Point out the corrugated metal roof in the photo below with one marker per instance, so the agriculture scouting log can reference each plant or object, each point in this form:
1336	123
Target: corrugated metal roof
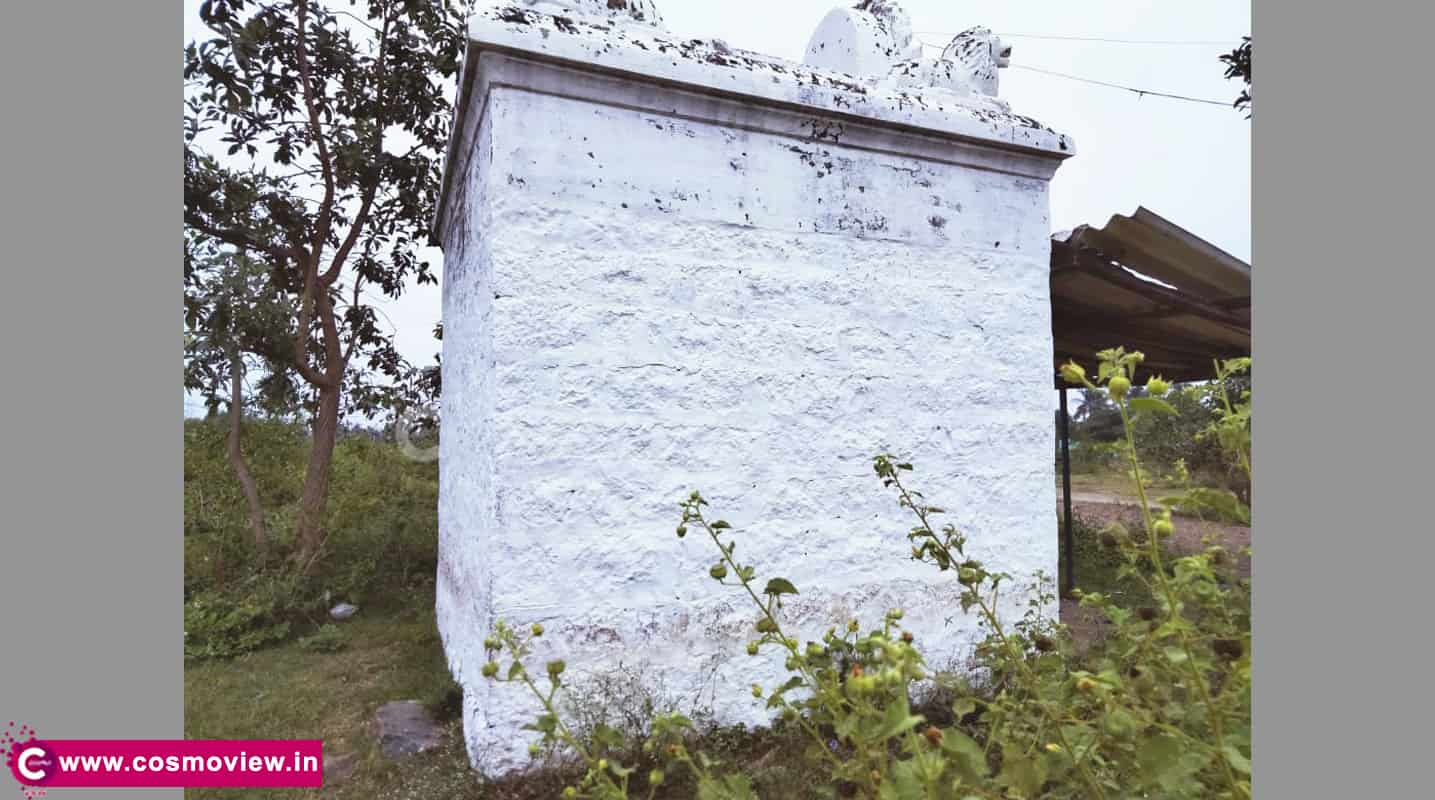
1145	283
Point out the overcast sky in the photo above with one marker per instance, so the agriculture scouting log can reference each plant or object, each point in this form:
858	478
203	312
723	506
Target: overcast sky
1189	162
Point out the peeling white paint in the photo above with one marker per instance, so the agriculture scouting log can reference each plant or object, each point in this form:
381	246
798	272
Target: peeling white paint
667	273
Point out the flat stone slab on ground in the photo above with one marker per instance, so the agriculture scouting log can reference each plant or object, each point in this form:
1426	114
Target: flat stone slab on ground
339	766
406	728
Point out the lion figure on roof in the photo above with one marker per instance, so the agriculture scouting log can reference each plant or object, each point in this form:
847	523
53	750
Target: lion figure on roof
967	67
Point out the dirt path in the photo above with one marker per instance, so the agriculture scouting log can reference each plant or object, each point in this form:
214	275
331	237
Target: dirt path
1085	623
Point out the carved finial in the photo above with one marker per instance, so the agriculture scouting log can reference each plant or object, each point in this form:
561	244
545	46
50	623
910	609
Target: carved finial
863	40
643	11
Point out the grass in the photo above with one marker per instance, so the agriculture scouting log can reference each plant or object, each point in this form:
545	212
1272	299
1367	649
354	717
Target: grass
292	692
1097	566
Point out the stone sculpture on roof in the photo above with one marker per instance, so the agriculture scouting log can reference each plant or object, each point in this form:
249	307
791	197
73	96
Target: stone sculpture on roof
874	40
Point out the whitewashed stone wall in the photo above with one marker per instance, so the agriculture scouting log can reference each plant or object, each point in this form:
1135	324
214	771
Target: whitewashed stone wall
672	266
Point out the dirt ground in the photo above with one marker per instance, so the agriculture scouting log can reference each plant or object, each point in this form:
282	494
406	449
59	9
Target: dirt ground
1086	624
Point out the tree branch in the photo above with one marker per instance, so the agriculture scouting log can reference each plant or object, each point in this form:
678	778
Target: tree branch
321	232
342	254
353	337
239	238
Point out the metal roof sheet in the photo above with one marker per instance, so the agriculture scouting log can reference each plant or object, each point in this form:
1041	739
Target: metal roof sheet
1145	283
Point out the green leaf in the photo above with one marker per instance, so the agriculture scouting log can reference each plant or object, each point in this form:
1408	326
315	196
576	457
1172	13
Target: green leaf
897	720
1158	756
1237	761
775	699
720	525
1022	773
963	706
728	787
780	586
901	783
1153	404
607	737
967	756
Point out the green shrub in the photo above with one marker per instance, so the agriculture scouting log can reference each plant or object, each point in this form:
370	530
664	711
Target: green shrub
381	549
222	626
1088	456
327	639
1161	710
1219	505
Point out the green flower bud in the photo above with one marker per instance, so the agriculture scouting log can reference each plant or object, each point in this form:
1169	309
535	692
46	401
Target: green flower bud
752	648
1073	373
1119	386
555	668
682	531
655	778
756	690
967	576
894	614
490	669
602	764
490	644
570	792
718	571
1119	723
1163	528
1157	386
864	684
537	629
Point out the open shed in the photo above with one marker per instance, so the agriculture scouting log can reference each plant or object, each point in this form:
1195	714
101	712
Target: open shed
1143	283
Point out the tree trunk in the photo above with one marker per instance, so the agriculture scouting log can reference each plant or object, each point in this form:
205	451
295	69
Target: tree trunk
315	500
236	459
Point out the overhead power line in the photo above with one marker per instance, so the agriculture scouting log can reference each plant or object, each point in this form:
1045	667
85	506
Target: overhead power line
1124	88
1136	90
1101	39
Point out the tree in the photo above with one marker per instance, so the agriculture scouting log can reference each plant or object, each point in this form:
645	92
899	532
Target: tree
229	317
343	120
1238	65
1096	418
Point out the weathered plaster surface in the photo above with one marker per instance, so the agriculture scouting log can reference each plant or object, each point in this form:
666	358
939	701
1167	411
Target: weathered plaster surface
652	287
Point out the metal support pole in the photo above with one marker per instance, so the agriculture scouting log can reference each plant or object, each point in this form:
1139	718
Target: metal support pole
1066	497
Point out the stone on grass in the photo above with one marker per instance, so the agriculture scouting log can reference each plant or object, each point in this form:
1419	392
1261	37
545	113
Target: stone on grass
405	728
339	766
343	611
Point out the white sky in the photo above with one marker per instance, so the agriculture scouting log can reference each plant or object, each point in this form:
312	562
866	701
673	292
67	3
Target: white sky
1188	162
